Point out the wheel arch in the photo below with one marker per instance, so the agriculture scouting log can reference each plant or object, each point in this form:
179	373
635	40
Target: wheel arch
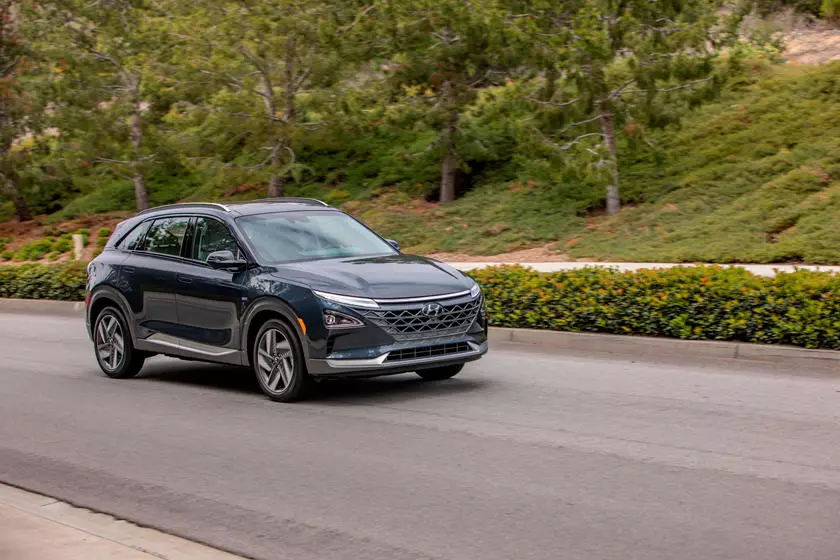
105	296
261	311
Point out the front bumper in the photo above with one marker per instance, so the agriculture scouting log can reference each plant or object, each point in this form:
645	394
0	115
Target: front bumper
473	349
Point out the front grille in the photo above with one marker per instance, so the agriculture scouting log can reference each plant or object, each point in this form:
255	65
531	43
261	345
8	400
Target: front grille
428	351
412	322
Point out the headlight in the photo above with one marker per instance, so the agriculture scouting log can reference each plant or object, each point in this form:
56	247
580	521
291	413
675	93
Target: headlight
475	291
336	320
348	300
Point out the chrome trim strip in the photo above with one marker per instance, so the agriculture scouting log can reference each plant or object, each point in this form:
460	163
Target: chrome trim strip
379	362
358	364
452	295
189	346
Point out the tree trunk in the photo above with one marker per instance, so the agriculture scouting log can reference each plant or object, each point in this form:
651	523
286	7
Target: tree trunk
608	129
277	183
276	186
141	191
450	154
550	83
22	212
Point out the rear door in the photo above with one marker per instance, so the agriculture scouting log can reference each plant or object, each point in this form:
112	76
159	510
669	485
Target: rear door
210	301
151	270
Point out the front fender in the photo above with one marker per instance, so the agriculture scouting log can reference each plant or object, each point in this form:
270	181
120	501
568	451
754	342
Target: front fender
273	305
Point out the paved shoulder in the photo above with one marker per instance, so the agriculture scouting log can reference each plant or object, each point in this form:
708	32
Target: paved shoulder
35	527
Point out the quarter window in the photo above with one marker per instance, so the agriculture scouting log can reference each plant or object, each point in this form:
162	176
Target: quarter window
211	236
131	241
166	236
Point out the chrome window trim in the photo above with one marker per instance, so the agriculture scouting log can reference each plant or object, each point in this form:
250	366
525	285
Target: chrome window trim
452	295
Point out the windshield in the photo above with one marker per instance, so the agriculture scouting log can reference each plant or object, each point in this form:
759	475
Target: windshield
300	236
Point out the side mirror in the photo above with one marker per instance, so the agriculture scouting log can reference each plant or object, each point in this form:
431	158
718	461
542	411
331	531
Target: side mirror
393	244
226	260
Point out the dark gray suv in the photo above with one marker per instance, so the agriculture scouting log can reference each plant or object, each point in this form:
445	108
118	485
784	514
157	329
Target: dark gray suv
293	288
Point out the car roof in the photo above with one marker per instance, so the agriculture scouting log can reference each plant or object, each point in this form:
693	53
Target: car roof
262	206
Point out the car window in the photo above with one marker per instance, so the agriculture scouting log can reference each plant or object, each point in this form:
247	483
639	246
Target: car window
296	236
209	236
166	235
131	241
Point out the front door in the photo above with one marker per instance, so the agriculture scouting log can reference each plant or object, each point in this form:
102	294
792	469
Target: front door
210	301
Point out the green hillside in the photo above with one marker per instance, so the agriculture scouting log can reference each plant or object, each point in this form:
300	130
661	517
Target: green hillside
754	177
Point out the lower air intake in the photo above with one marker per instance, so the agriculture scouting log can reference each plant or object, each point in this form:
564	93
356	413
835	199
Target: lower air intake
428	351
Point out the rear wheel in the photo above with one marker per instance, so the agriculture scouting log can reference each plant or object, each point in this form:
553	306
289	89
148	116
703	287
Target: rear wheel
278	363
440	373
115	351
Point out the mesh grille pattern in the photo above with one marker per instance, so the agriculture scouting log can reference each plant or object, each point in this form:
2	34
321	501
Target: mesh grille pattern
412	323
428	351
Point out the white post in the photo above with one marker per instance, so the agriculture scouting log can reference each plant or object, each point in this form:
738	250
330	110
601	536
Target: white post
78	246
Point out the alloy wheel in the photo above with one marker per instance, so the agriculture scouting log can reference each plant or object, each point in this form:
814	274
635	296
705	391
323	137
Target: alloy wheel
275	361
110	343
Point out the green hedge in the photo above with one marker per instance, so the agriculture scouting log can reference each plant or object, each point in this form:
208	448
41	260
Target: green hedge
36	281
801	308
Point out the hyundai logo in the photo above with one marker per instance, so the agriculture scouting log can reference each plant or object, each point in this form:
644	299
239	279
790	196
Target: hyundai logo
432	309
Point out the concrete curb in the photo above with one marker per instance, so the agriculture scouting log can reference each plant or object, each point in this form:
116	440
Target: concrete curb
559	340
121	535
650	346
41	306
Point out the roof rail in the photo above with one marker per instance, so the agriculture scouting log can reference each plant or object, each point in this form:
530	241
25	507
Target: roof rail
293	200
186	205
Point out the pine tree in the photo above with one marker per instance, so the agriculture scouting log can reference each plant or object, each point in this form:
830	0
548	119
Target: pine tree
266	70
620	62
15	105
109	53
448	49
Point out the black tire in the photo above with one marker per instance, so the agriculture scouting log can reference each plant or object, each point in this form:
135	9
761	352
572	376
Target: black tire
110	330
440	373
287	379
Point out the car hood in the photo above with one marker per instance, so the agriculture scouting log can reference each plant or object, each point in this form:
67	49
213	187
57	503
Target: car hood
386	277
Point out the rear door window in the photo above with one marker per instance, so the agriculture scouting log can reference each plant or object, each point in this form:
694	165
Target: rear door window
166	236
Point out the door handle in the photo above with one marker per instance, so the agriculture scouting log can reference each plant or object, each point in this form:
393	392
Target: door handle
129	269
183	278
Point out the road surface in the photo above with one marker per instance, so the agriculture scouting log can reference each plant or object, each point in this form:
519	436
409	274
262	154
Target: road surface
526	455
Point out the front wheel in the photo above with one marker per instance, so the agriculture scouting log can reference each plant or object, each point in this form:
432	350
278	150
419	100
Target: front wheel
115	352
279	364
440	373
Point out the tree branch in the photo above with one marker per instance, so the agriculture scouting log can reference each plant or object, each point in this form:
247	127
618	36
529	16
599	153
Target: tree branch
579	123
687	85
357	19
552	103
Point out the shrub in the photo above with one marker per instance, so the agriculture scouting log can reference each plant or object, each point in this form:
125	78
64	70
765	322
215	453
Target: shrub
102	237
713	303
36	281
63	244
801	308
36	250
830	9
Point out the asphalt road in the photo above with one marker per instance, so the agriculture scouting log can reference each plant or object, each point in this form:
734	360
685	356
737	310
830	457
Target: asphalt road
526	455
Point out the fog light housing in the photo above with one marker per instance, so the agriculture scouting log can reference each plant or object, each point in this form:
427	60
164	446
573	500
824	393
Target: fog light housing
336	320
